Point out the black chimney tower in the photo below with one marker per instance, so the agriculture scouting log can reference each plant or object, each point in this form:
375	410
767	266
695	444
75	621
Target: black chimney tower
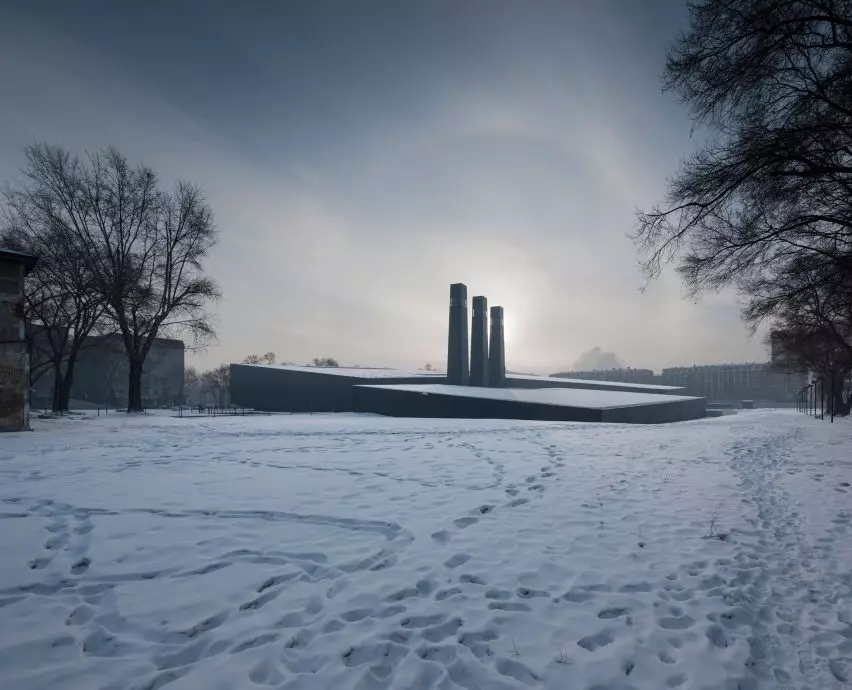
457	354
479	343
497	351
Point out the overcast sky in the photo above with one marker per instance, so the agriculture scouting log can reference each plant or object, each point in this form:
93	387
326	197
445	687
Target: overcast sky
360	156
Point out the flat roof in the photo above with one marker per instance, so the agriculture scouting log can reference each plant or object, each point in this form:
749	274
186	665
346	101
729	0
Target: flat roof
562	397
352	372
387	373
603	385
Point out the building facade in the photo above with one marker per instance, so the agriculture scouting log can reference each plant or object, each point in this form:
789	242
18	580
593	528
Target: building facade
14	353
759	381
101	375
734	382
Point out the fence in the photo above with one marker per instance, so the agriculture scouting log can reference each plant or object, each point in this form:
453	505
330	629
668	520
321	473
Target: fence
811	399
214	411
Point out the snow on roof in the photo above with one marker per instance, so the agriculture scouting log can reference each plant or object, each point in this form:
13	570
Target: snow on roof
567	397
354	372
387	373
603	385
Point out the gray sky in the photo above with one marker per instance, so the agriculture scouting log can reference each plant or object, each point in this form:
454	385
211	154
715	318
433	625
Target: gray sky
360	156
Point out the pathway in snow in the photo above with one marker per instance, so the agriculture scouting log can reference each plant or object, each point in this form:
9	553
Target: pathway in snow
367	553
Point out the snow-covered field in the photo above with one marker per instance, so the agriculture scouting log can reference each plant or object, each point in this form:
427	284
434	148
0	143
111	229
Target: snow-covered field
360	552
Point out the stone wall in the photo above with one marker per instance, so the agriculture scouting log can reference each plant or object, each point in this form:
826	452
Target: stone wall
14	361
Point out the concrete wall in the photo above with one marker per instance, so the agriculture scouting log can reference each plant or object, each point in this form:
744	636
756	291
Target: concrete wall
659	413
14	358
403	403
458	357
479	342
497	351
398	403
273	389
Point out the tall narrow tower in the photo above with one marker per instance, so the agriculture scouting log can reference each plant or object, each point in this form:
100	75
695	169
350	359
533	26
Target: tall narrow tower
479	343
497	351
457	355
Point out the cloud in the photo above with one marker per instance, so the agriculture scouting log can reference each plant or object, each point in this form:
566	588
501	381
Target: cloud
510	159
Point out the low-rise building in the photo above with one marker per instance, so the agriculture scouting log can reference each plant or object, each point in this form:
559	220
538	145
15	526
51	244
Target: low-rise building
101	375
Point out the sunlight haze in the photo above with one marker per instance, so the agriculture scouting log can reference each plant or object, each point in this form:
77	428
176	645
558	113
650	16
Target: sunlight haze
360	157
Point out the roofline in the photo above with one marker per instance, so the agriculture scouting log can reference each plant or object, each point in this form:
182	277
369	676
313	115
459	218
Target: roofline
28	260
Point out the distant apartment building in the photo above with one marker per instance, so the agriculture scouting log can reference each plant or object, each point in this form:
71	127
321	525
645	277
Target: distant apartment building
722	382
14	353
625	375
101	375
716	382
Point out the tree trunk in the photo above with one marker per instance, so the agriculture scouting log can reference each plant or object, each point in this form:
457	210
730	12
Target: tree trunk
841	401
134	387
56	402
65	386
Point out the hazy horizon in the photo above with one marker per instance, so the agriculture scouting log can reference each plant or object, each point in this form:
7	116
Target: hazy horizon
360	157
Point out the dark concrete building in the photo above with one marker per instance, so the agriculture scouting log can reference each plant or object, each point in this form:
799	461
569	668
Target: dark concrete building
14	353
474	389
479	343
552	405
497	350
457	355
286	388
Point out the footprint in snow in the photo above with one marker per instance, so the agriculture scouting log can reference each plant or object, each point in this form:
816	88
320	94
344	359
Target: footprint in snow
593	642
463	522
457	560
80	566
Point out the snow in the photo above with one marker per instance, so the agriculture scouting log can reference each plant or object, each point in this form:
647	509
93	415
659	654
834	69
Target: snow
354	372
593	383
569	397
383	373
358	553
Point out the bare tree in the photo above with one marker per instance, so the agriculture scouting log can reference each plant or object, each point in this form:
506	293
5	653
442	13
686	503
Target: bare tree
812	325
217	382
325	362
191	384
267	358
769	80
145	247
62	307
